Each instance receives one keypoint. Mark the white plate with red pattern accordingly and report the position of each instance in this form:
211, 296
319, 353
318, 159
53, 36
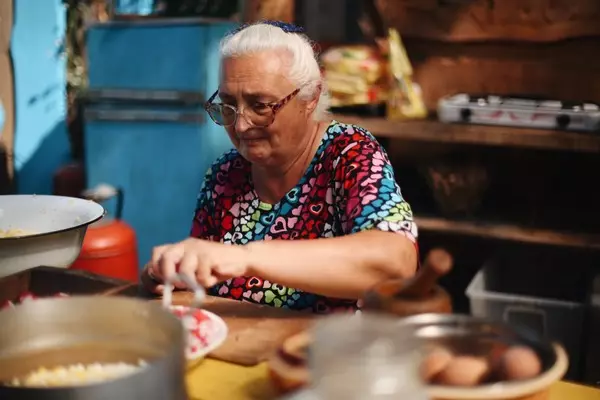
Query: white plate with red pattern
206, 331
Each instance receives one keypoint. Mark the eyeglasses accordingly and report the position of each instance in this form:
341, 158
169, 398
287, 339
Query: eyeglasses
259, 115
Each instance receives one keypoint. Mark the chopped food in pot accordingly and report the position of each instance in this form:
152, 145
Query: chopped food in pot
77, 374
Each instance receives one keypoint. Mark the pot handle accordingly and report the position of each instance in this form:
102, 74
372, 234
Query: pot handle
103, 192
199, 292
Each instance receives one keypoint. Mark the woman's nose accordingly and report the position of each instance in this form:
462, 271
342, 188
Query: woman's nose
241, 123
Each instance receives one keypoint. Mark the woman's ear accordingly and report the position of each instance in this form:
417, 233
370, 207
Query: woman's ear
312, 104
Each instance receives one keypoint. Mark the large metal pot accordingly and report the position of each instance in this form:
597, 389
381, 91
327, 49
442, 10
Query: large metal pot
86, 329
54, 229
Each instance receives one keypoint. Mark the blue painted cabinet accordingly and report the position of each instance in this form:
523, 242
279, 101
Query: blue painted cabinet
146, 130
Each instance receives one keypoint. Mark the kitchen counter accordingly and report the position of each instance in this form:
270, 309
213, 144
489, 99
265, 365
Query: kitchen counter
213, 379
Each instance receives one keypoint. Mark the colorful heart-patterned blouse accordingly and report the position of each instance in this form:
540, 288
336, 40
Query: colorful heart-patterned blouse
349, 187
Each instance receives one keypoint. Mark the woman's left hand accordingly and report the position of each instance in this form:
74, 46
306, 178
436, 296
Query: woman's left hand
206, 262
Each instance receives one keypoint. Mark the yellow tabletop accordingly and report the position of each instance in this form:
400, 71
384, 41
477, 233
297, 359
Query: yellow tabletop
215, 380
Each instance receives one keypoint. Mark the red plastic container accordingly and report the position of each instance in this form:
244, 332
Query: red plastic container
110, 245
109, 249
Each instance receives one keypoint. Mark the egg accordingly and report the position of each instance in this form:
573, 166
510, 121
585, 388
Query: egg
464, 371
434, 362
520, 362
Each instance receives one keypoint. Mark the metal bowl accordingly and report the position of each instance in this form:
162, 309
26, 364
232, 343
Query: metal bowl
479, 337
89, 329
54, 229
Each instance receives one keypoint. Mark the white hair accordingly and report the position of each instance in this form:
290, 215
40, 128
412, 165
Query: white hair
304, 70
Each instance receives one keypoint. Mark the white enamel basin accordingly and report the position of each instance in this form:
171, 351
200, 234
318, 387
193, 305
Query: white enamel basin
54, 228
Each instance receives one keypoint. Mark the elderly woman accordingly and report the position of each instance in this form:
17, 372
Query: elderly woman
305, 212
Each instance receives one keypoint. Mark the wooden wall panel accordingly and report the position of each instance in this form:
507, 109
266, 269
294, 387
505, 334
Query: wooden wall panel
480, 20
566, 70
277, 10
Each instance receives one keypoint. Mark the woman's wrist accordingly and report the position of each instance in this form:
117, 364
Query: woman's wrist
253, 251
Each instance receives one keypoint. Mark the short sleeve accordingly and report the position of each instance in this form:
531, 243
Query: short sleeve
366, 192
203, 225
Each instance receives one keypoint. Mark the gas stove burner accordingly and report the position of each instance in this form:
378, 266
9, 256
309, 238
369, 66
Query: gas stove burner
518, 111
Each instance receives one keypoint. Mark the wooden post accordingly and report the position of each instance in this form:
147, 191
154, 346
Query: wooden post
278, 10
6, 96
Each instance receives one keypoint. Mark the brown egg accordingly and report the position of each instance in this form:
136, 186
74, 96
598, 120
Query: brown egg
464, 371
434, 362
520, 362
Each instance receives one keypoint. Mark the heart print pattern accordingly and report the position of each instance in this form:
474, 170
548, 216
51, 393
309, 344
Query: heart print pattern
349, 187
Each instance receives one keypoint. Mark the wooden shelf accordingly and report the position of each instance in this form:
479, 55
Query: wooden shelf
509, 233
435, 131
135, 19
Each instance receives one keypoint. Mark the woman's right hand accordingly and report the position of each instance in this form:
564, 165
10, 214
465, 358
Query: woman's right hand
155, 284
151, 283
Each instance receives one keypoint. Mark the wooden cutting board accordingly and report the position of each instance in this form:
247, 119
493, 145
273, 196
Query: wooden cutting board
255, 331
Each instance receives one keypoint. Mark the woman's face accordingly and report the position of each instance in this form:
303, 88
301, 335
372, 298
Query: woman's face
246, 82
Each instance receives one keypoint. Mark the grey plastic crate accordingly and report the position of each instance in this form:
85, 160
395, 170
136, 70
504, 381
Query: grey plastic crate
557, 320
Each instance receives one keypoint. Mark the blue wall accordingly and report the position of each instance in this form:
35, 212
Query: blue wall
41, 140
141, 7
160, 164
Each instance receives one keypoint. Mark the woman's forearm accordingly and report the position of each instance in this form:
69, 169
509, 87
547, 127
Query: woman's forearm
343, 267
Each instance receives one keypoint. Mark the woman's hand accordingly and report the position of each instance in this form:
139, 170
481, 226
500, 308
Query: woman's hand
206, 262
